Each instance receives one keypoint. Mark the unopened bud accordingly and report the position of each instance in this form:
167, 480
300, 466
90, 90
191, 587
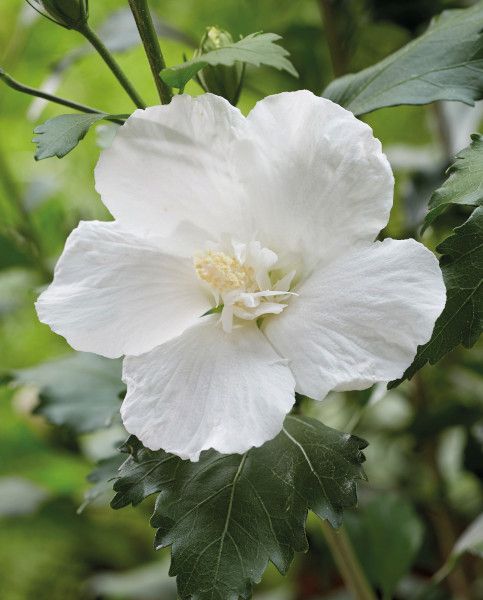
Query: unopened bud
71, 14
220, 79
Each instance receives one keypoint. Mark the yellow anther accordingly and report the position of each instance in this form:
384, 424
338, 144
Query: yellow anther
222, 272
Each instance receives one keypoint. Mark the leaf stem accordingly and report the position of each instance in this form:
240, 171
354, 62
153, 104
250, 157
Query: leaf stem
347, 562
25, 89
110, 61
337, 55
144, 22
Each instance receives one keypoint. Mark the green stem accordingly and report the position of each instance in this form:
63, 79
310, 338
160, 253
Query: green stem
25, 89
97, 43
347, 562
144, 22
337, 54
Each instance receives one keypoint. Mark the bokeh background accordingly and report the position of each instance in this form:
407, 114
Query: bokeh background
425, 458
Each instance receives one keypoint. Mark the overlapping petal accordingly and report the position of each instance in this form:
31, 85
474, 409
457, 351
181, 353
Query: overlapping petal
360, 319
315, 176
207, 389
116, 293
173, 163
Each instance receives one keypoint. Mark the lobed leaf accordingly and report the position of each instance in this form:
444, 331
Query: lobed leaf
461, 321
226, 516
445, 63
465, 183
254, 49
60, 135
80, 391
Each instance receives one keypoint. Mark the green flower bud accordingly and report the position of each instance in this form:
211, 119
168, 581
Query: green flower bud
221, 80
69, 13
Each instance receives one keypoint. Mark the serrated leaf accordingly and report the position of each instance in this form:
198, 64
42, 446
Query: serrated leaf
461, 321
80, 391
226, 516
445, 63
101, 477
465, 183
60, 135
254, 49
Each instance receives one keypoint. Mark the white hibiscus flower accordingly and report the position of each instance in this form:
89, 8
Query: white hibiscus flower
241, 267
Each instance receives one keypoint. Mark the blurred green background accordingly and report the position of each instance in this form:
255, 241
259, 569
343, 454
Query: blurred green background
425, 458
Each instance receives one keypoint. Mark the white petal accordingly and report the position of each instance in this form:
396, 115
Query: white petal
207, 389
360, 320
115, 293
317, 178
172, 163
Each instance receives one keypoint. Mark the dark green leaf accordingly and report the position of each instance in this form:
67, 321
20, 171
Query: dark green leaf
445, 63
80, 391
226, 516
464, 185
60, 135
10, 254
254, 49
101, 476
387, 534
461, 321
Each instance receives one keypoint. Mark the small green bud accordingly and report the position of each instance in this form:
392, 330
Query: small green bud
221, 80
69, 13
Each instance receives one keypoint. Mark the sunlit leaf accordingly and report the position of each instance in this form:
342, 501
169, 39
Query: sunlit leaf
254, 49
226, 516
80, 391
445, 63
60, 135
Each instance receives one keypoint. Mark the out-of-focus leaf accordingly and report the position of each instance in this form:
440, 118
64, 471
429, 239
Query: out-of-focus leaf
465, 183
19, 496
471, 539
101, 477
445, 63
226, 516
80, 391
60, 135
11, 255
388, 534
461, 321
255, 49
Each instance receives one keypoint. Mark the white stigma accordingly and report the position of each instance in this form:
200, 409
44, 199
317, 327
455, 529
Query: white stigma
241, 281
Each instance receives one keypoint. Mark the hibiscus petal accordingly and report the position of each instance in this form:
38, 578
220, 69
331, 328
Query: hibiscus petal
171, 163
207, 389
116, 293
360, 320
316, 177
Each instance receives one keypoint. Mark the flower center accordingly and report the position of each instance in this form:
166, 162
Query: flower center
222, 272
240, 279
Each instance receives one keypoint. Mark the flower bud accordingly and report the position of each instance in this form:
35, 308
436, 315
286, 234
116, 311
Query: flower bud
69, 13
220, 79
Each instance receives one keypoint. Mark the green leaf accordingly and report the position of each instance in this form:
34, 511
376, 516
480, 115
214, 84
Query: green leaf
10, 254
226, 516
254, 49
80, 391
461, 321
464, 185
445, 63
101, 477
387, 534
60, 135
471, 540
